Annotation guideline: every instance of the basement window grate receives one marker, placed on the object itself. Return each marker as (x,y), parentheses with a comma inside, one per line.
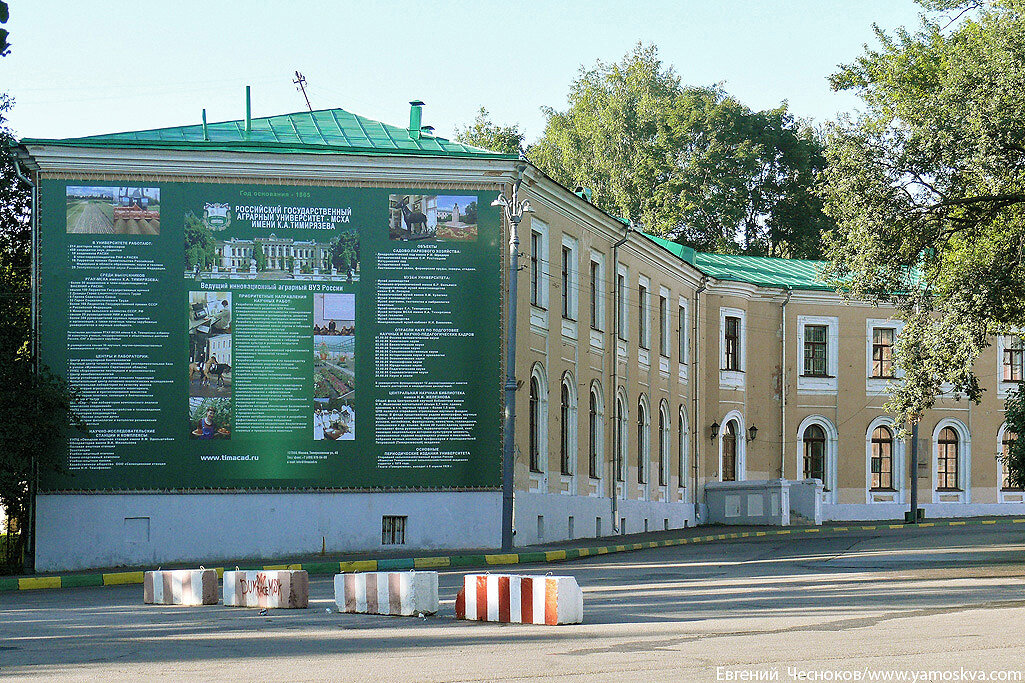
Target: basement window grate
(393,530)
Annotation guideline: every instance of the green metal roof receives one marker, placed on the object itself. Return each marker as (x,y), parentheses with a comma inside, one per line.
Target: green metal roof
(326,131)
(756,270)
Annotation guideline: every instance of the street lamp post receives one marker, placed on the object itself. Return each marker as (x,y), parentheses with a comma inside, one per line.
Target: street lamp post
(514,209)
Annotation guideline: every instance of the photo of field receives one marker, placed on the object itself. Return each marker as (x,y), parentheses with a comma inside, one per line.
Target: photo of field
(113,210)
(334,366)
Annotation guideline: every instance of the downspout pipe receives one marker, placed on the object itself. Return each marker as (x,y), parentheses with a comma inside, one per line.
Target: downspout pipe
(30,545)
(695,390)
(614,352)
(783,385)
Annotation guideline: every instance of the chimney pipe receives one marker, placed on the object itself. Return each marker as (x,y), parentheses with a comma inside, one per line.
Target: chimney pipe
(415,118)
(206,132)
(249,113)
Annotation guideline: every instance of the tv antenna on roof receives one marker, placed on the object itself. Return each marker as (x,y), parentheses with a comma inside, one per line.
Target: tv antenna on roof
(300,82)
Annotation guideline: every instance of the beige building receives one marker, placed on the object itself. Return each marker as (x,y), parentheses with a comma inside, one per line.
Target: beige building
(660,388)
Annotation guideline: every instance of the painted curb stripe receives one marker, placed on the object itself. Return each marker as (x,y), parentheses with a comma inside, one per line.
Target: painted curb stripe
(137,577)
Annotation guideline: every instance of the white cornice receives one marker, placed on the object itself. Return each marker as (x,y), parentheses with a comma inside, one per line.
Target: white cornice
(53,159)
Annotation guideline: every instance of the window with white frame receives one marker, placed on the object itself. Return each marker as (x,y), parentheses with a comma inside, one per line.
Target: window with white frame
(644,315)
(569,278)
(819,354)
(732,348)
(883,339)
(594,430)
(682,337)
(684,439)
(620,437)
(567,426)
(663,444)
(538,264)
(663,328)
(643,440)
(597,292)
(1012,358)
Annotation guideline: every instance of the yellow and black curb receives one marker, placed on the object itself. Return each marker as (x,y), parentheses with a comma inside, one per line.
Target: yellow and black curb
(479,560)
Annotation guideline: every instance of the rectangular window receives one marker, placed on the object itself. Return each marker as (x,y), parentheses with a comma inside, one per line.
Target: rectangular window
(882,352)
(683,334)
(595,289)
(393,530)
(1013,359)
(623,313)
(567,260)
(663,316)
(732,337)
(815,350)
(535,268)
(642,316)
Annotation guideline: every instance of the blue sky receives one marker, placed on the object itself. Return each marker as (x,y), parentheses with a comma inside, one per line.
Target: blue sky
(80,68)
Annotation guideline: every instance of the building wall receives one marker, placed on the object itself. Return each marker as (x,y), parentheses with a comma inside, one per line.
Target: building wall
(770,392)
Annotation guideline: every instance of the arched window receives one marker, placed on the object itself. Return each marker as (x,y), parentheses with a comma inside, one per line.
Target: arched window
(947,461)
(535,425)
(663,444)
(564,429)
(643,451)
(621,426)
(815,453)
(594,435)
(1005,450)
(682,460)
(729,451)
(882,459)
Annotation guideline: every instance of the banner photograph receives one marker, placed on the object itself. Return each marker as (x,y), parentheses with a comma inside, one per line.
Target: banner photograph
(323,337)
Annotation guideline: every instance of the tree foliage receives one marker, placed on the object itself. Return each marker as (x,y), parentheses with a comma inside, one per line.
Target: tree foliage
(927,188)
(38,407)
(689,163)
(1014,459)
(486,134)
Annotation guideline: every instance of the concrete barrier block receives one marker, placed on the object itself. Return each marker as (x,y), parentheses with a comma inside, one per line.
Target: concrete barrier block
(394,593)
(514,599)
(180,587)
(288,589)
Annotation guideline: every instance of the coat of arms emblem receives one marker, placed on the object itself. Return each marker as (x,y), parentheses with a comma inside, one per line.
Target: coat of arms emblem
(216,216)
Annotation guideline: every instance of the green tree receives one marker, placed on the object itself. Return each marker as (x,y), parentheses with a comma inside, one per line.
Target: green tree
(927,188)
(199,243)
(689,163)
(38,407)
(488,135)
(345,251)
(259,257)
(1014,459)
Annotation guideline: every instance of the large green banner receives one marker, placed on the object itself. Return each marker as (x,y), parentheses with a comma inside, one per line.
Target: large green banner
(274,337)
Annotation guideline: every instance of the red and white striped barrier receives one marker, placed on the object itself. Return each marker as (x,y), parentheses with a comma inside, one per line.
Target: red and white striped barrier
(180,587)
(284,588)
(395,593)
(513,599)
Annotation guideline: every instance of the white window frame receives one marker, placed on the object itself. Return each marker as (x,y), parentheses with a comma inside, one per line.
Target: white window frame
(539,311)
(964,463)
(572,443)
(665,331)
(540,479)
(1005,496)
(570,323)
(732,379)
(741,444)
(597,336)
(880,385)
(599,441)
(1004,387)
(829,494)
(683,456)
(897,467)
(644,309)
(819,385)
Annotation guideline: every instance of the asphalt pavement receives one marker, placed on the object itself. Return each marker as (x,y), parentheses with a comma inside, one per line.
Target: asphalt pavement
(836,605)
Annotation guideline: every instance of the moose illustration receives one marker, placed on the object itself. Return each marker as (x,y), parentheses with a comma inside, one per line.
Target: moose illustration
(412,218)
